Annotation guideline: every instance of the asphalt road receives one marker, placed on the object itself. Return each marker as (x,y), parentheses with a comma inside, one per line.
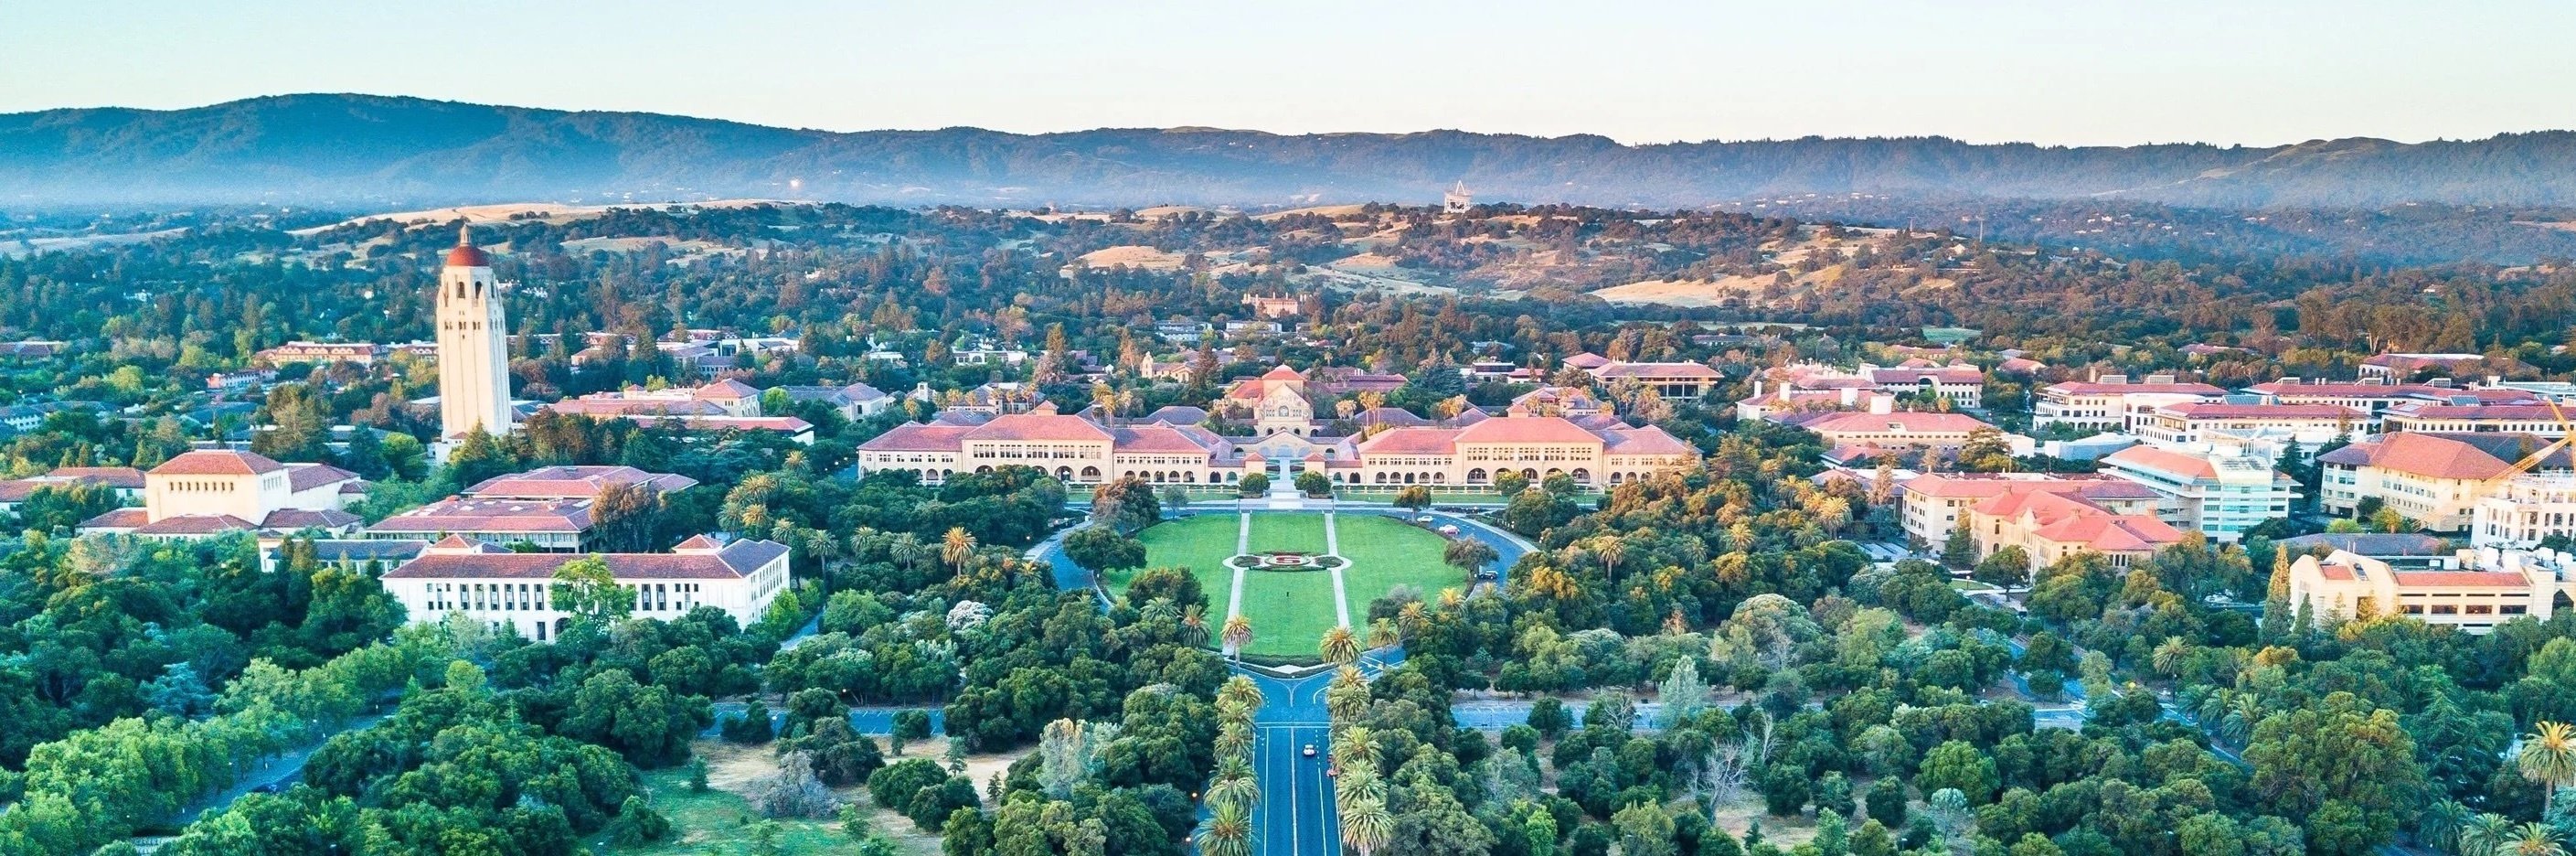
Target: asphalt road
(1296,815)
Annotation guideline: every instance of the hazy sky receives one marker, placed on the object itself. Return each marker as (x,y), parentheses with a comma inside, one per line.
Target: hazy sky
(2066,71)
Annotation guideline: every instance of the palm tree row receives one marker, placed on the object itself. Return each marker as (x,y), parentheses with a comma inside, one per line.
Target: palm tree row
(1359,795)
(1232,789)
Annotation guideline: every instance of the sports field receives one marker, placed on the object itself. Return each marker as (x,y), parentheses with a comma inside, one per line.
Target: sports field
(1290,610)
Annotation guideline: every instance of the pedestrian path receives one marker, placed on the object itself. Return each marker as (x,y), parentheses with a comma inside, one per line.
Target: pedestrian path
(1333,548)
(1242,545)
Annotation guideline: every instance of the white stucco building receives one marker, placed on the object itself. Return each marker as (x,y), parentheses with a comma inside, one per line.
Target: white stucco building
(515,590)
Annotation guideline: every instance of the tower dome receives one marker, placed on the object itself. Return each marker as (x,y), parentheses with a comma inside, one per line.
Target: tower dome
(465,254)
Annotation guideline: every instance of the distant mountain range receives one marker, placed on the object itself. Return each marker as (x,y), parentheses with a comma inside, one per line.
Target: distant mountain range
(363,152)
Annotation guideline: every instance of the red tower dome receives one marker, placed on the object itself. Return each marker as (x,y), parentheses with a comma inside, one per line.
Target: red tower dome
(465,254)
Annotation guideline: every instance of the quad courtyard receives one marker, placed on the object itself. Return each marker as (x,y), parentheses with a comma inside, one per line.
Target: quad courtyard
(1288,564)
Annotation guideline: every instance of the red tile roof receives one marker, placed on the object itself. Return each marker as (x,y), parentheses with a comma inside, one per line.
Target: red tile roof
(290,519)
(2430,455)
(196,524)
(1040,426)
(1980,485)
(2461,579)
(1157,439)
(1414,441)
(303,477)
(1649,440)
(917,437)
(121,518)
(213,462)
(2112,533)
(570,482)
(127,478)
(727,390)
(1526,429)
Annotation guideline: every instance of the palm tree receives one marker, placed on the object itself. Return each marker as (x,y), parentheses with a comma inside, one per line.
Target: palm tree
(2549,758)
(1226,832)
(1610,551)
(1237,633)
(1242,690)
(1365,825)
(2238,727)
(1412,618)
(1234,740)
(1357,750)
(2167,659)
(2485,835)
(2440,826)
(907,550)
(1344,699)
(1234,782)
(1451,599)
(1194,626)
(957,546)
(1340,646)
(1382,633)
(2533,839)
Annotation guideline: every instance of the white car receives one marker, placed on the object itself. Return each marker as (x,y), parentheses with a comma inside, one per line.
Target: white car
(1310,750)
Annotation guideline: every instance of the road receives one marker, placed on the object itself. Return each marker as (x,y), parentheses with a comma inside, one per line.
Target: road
(1296,815)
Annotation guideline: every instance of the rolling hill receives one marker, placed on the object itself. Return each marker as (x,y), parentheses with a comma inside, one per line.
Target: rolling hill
(359,152)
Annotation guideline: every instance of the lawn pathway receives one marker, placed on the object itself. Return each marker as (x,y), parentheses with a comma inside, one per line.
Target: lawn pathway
(1333,548)
(1242,545)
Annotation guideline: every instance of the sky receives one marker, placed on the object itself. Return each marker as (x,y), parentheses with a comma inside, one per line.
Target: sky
(2068,72)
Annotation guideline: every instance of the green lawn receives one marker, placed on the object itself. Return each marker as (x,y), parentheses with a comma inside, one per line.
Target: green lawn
(1295,533)
(1386,552)
(1291,610)
(1200,544)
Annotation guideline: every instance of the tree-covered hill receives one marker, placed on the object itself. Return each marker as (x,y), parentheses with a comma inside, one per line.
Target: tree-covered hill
(354,150)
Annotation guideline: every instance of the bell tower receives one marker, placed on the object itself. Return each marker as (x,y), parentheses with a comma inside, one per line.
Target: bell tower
(473,365)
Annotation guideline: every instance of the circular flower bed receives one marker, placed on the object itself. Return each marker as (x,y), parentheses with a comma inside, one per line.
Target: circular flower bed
(1283,561)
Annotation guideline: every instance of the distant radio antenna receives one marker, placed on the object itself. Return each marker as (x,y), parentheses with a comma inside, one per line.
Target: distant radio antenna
(1457,200)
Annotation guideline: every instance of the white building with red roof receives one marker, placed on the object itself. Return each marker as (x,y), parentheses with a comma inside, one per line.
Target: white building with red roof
(1461,453)
(574,482)
(2221,495)
(1931,505)
(1670,381)
(2376,397)
(1889,431)
(210,492)
(2310,425)
(2433,479)
(2474,591)
(2112,402)
(2050,526)
(2539,420)
(515,590)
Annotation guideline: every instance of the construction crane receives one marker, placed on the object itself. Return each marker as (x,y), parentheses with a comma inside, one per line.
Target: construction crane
(2566,432)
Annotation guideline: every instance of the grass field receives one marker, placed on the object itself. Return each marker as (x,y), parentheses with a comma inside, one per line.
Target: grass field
(1385,553)
(1200,544)
(1295,533)
(1291,610)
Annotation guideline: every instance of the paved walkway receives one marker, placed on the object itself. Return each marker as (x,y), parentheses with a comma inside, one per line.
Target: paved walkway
(1242,545)
(1333,548)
